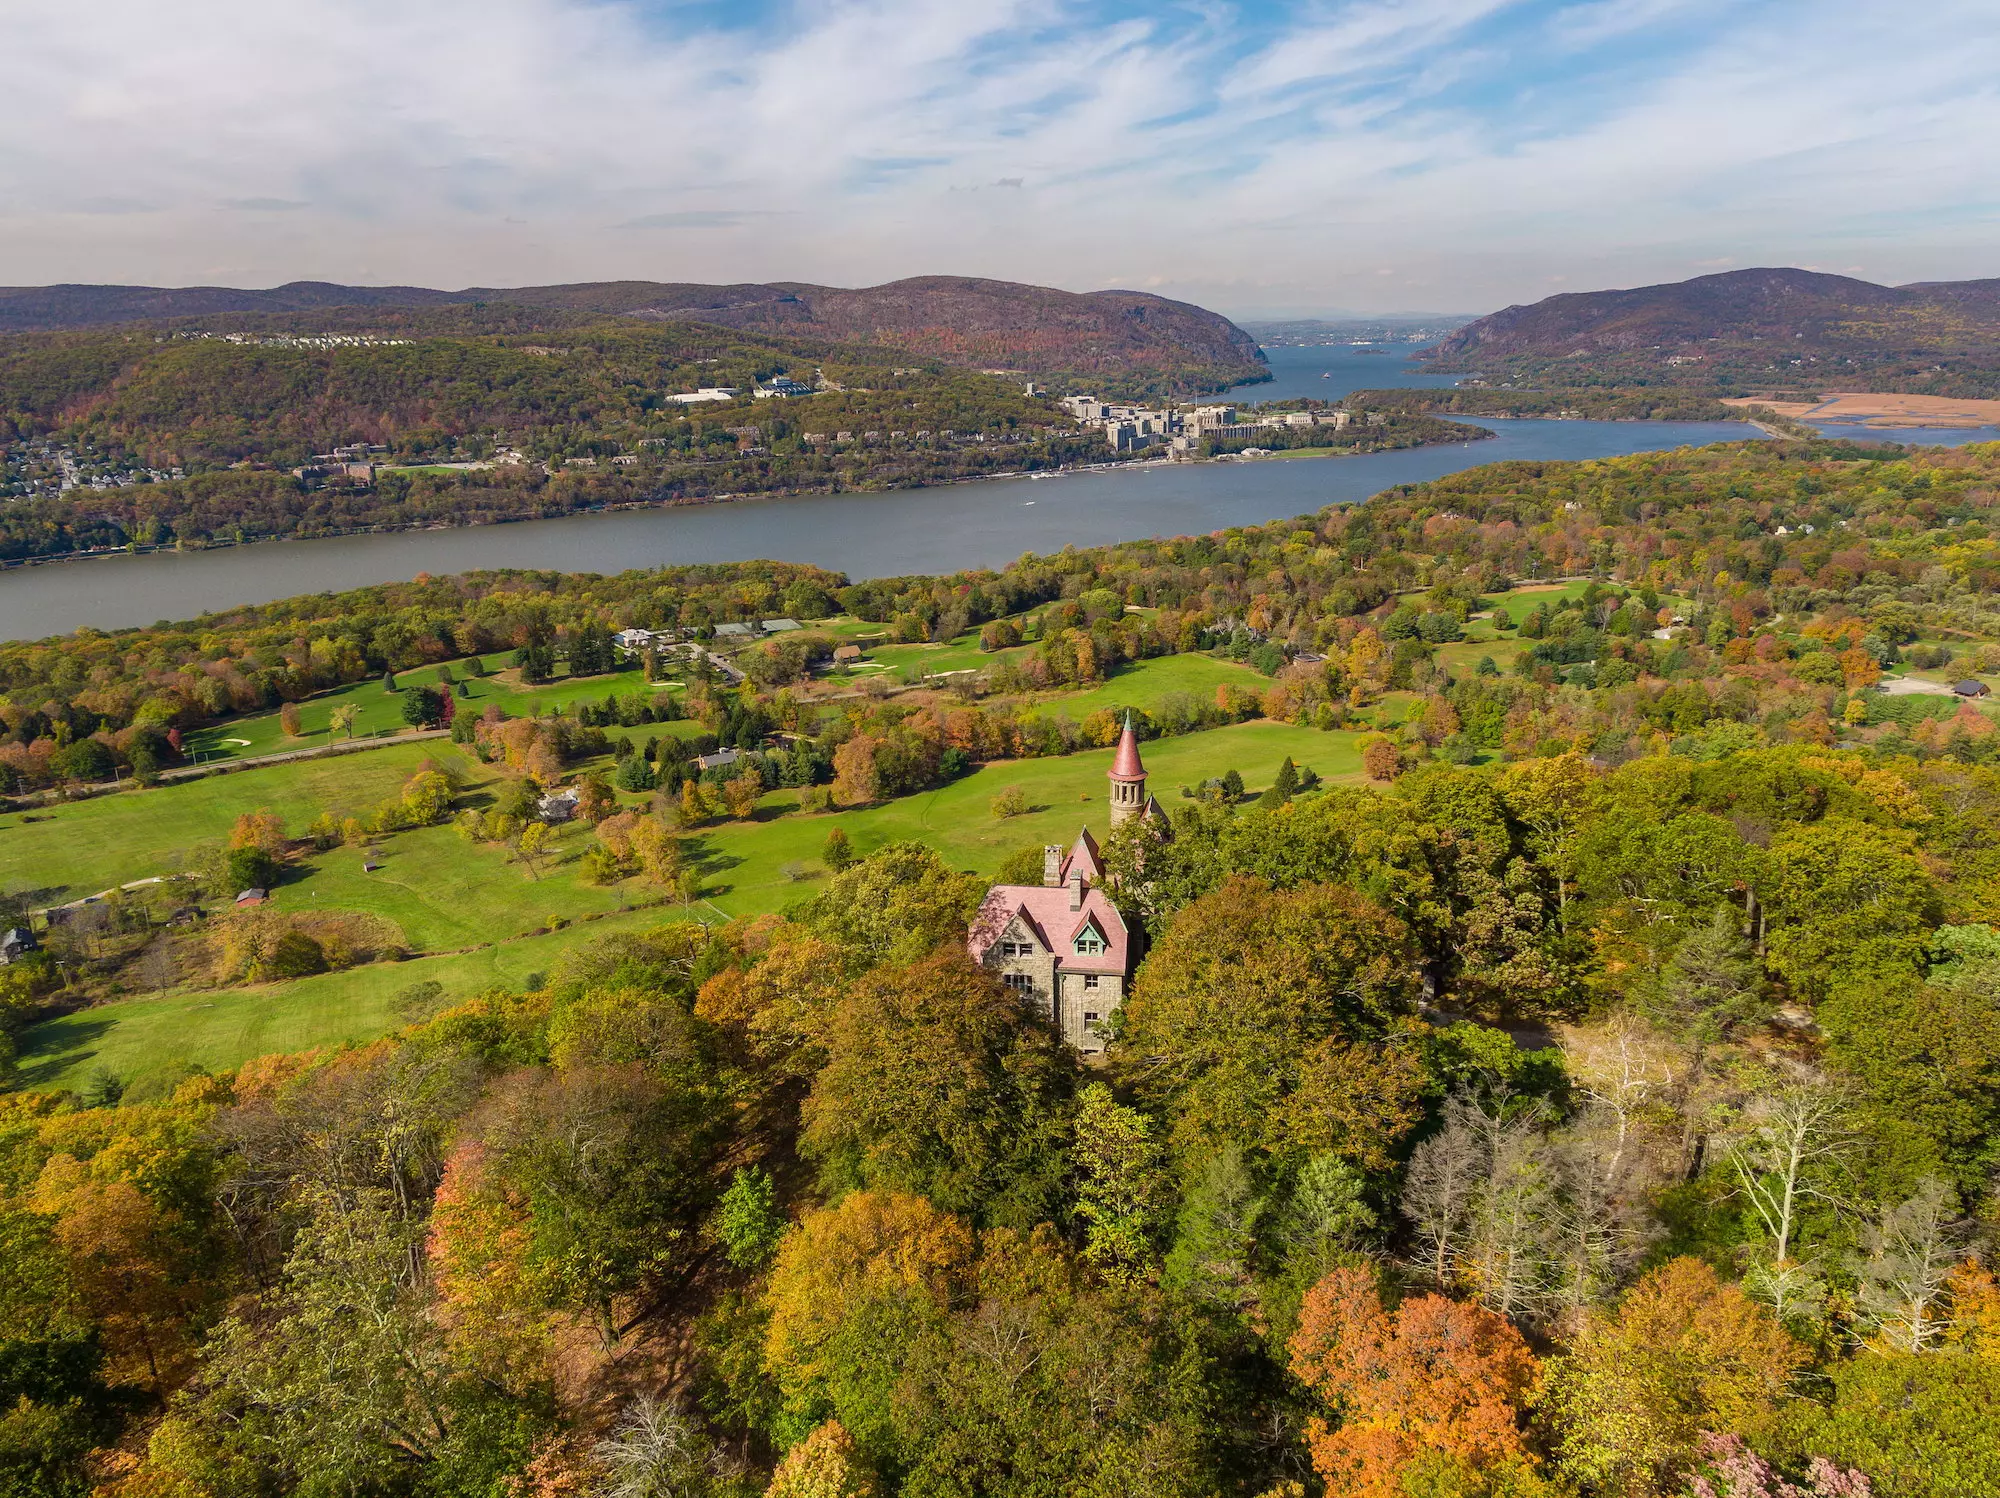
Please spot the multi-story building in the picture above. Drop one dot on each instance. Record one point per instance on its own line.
(1061, 944)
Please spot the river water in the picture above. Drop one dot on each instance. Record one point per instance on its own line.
(942, 529)
(1330, 373)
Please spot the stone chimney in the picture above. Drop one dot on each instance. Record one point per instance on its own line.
(1076, 889)
(1052, 857)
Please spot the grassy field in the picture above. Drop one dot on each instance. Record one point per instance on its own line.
(226, 1027)
(1144, 684)
(376, 708)
(1461, 657)
(81, 847)
(1518, 603)
(746, 864)
(445, 893)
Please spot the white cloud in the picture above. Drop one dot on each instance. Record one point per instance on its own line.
(1256, 160)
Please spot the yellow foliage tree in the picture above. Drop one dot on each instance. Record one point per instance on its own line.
(869, 1244)
(1683, 1353)
(823, 1465)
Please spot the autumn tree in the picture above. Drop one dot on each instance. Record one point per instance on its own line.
(262, 830)
(1436, 1377)
(1262, 1017)
(937, 1082)
(1681, 1354)
(823, 1465)
(851, 1289)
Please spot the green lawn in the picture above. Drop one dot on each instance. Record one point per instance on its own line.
(448, 894)
(445, 893)
(377, 709)
(1518, 603)
(1145, 684)
(1461, 657)
(224, 1028)
(81, 847)
(745, 864)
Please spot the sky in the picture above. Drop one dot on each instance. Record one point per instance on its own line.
(1265, 157)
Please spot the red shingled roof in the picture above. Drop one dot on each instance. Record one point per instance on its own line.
(1045, 910)
(1125, 765)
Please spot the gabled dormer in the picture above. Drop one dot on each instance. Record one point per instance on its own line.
(1020, 938)
(1089, 938)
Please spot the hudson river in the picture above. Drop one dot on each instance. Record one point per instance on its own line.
(943, 529)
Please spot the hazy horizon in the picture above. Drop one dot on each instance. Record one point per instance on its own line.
(1269, 161)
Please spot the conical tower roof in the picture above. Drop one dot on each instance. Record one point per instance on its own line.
(1126, 764)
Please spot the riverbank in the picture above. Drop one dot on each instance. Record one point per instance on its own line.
(868, 534)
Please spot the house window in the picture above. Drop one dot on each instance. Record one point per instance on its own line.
(1090, 980)
(1019, 982)
(1017, 949)
(1090, 1016)
(1088, 942)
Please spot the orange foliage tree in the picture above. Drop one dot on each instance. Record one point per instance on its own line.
(1437, 1378)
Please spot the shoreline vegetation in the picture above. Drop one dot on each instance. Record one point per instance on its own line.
(1399, 431)
(1401, 405)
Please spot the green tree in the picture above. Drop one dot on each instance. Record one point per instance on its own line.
(937, 1082)
(1920, 1426)
(897, 904)
(1850, 903)
(1122, 1192)
(748, 1221)
(1250, 994)
(250, 868)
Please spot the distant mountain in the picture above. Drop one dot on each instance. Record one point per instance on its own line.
(1750, 327)
(958, 320)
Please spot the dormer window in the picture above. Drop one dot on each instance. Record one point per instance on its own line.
(1089, 942)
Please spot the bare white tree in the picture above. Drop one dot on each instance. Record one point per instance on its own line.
(1438, 1189)
(656, 1451)
(1482, 1195)
(1792, 1144)
(1912, 1249)
(1625, 1070)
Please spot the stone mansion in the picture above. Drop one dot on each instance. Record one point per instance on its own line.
(1062, 944)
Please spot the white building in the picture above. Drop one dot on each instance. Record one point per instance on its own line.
(706, 393)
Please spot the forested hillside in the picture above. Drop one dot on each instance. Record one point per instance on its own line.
(188, 436)
(1129, 339)
(1743, 331)
(1596, 1095)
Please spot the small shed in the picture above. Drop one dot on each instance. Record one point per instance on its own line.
(250, 897)
(842, 654)
(17, 942)
(1971, 688)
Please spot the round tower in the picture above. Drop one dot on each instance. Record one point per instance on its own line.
(1128, 778)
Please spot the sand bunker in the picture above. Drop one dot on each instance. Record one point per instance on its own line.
(1886, 410)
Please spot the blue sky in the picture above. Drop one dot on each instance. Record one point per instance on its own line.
(1261, 158)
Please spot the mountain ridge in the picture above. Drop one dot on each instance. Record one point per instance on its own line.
(966, 321)
(1765, 328)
